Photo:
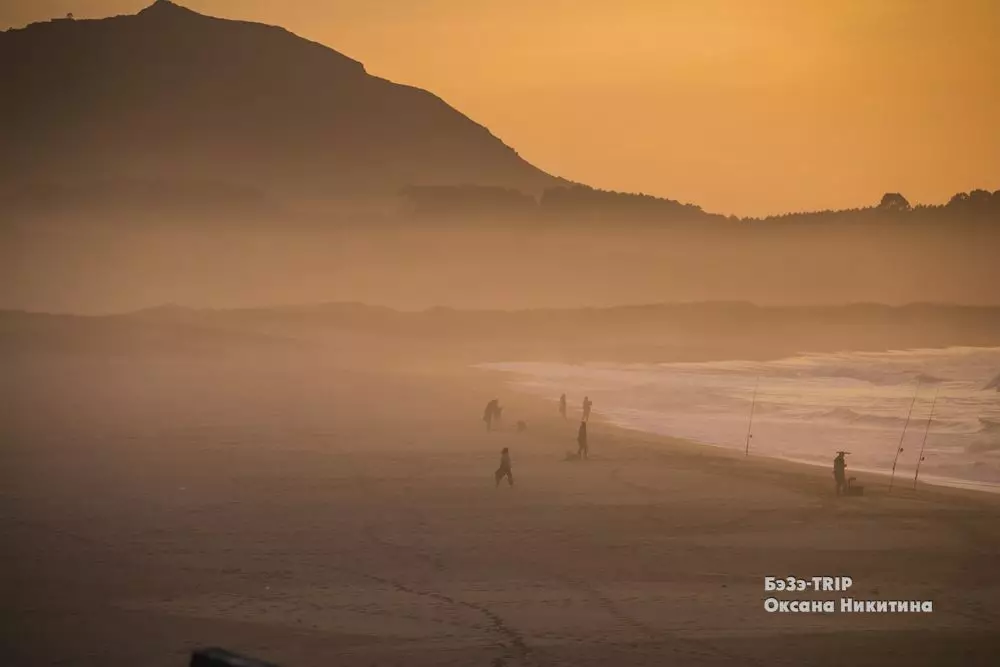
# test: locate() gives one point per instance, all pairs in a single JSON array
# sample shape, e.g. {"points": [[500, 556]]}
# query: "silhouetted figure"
{"points": [[504, 470], [562, 406], [522, 426], [490, 413], [840, 473], [581, 441], [586, 408]]}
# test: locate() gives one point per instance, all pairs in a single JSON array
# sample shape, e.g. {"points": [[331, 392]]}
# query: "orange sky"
{"points": [[741, 106]]}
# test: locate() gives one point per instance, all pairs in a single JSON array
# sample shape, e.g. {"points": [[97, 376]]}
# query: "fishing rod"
{"points": [[753, 404], [899, 448], [924, 443]]}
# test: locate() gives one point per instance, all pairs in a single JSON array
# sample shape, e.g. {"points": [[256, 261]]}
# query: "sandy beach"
{"points": [[264, 264], [313, 515]]}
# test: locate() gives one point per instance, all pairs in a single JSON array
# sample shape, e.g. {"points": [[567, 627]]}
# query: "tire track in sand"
{"points": [[515, 647]]}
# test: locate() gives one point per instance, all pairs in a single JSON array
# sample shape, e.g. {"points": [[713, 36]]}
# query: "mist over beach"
{"points": [[284, 330]]}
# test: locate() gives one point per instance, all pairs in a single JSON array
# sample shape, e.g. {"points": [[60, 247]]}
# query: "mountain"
{"points": [[171, 96]]}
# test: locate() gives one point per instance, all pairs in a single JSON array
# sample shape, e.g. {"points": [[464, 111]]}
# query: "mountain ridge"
{"points": [[159, 138], [168, 92]]}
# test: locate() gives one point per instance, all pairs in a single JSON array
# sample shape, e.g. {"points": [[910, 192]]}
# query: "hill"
{"points": [[170, 96]]}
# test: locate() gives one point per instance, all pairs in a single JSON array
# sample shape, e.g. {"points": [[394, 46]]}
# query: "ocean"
{"points": [[807, 407]]}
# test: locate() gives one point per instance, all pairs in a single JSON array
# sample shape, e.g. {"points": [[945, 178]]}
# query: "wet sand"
{"points": [[318, 516]]}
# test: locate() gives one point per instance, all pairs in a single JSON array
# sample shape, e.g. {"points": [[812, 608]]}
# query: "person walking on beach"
{"points": [[491, 412], [562, 406], [504, 470], [840, 473], [586, 408], [581, 441]]}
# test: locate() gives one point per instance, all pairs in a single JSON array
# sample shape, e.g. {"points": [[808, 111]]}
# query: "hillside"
{"points": [[174, 97]]}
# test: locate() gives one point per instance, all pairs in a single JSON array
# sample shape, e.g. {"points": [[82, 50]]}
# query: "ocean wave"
{"points": [[859, 418], [855, 417], [929, 367], [805, 406], [877, 376], [983, 447], [993, 384]]}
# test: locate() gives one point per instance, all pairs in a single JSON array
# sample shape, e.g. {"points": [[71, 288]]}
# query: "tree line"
{"points": [[583, 203]]}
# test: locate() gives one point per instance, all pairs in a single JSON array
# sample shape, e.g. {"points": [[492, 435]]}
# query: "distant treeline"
{"points": [[574, 202], [581, 203], [459, 204], [974, 205]]}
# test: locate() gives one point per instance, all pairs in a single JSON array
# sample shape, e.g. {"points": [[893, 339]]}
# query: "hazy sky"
{"points": [[741, 106]]}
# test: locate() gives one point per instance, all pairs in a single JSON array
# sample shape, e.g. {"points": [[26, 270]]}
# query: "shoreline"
{"points": [[876, 482]]}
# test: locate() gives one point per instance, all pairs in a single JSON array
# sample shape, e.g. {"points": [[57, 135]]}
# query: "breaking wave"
{"points": [[854, 417], [806, 407]]}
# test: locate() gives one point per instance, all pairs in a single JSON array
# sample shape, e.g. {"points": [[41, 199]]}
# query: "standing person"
{"points": [[562, 406], [586, 408], [504, 470], [840, 473], [490, 412], [581, 441]]}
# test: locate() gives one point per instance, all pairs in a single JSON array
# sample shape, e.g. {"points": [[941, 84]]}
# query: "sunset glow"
{"points": [[741, 107]]}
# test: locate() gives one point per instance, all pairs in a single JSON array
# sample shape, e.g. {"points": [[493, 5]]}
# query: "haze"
{"points": [[272, 322], [746, 108]]}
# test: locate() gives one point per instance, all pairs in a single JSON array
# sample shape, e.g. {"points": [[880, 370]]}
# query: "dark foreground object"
{"points": [[217, 657]]}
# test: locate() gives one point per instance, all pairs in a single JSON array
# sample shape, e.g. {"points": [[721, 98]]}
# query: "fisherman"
{"points": [[840, 473], [492, 408], [581, 441], [562, 406], [586, 408], [504, 470]]}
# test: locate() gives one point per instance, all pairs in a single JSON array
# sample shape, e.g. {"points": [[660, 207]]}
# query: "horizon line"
{"points": [[317, 305]]}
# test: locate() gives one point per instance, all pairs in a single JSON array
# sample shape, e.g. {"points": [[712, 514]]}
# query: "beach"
{"points": [[934, 403], [312, 514], [266, 268]]}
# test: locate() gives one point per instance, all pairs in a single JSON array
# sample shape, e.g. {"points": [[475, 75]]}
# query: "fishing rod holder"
{"points": [[853, 489]]}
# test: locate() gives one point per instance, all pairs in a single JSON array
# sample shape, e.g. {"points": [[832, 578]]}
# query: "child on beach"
{"points": [[504, 470]]}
